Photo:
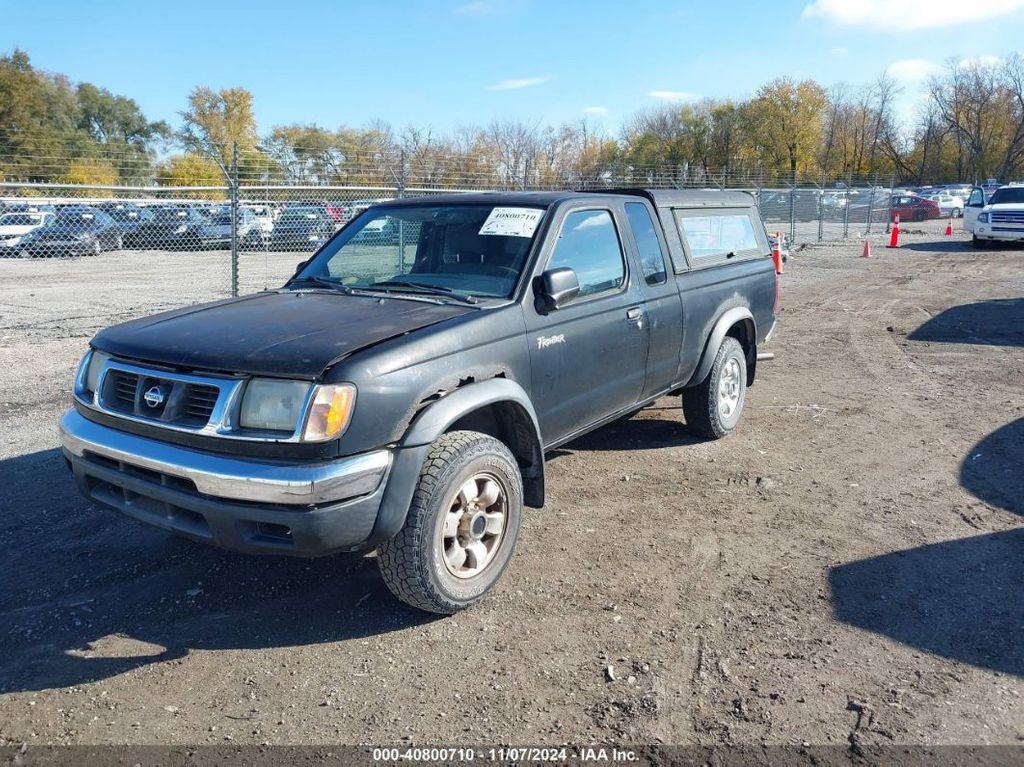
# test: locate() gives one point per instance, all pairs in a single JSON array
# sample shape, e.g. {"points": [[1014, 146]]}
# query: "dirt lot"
{"points": [[844, 569]]}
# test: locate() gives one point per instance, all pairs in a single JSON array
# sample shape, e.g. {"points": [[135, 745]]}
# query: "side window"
{"points": [[708, 237], [652, 260], [589, 245], [976, 199]]}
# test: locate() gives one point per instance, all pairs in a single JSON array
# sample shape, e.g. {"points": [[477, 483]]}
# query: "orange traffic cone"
{"points": [[894, 239], [867, 249], [777, 253], [949, 227]]}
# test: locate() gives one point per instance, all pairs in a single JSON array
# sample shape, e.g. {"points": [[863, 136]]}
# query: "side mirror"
{"points": [[301, 265], [558, 287]]}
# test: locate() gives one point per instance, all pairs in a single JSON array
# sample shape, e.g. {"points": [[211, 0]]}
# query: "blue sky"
{"points": [[444, 63]]}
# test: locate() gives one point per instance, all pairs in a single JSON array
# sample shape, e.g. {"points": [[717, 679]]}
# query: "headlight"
{"points": [[273, 405], [87, 380], [983, 218], [330, 412]]}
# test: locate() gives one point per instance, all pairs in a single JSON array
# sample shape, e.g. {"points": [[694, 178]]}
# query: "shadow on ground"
{"points": [[993, 470], [637, 433], [997, 322], [87, 594], [956, 245], [950, 245], [962, 599]]}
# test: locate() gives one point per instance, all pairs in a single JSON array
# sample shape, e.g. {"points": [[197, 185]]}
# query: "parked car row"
{"points": [[63, 230]]}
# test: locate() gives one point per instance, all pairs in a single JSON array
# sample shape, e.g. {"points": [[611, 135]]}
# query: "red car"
{"points": [[912, 207]]}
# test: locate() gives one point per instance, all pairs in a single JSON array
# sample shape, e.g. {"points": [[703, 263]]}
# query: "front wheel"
{"points": [[713, 407], [461, 528]]}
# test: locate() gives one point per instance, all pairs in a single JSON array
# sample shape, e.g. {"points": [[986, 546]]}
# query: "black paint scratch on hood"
{"points": [[287, 334]]}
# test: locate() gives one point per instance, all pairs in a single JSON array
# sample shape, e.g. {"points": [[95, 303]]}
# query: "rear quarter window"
{"points": [[712, 237]]}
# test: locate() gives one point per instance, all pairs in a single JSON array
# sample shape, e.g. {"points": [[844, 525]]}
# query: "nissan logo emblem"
{"points": [[154, 397]]}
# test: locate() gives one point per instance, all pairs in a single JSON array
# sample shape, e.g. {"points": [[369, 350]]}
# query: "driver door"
{"points": [[588, 357], [973, 207]]}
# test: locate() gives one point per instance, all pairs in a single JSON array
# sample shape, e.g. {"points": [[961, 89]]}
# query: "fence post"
{"points": [[401, 173], [821, 214], [846, 213], [233, 191], [888, 208], [792, 211], [871, 206], [401, 224]]}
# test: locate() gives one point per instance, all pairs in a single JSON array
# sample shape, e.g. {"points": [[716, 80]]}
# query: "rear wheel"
{"points": [[462, 525], [713, 407]]}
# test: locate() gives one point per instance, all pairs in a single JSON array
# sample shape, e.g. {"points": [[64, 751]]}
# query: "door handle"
{"points": [[634, 313]]}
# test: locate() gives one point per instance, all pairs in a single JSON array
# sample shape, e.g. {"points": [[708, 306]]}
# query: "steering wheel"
{"points": [[512, 272]]}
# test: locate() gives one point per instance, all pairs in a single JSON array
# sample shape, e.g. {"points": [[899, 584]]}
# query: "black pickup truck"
{"points": [[401, 390]]}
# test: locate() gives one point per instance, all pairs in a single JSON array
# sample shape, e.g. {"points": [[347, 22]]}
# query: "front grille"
{"points": [[125, 387], [200, 401], [162, 400], [1007, 217]]}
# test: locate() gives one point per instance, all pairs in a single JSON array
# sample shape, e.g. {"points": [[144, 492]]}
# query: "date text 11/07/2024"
{"points": [[504, 754]]}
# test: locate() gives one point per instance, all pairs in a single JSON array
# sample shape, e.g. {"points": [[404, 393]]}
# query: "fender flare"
{"points": [[431, 423], [722, 325], [434, 420]]}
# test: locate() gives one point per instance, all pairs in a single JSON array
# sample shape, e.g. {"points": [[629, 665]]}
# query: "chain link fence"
{"points": [[96, 253]]}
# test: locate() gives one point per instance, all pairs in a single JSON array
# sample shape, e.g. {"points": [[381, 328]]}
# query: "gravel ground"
{"points": [[845, 569]]}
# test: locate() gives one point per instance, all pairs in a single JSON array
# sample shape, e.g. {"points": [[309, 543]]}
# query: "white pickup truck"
{"points": [[995, 217]]}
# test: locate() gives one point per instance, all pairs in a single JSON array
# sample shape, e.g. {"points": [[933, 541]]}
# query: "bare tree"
{"points": [[515, 144]]}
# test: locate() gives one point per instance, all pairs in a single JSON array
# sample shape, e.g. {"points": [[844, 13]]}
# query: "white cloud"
{"points": [[598, 218], [676, 96], [839, 51], [595, 111], [911, 70], [515, 84], [477, 8], [985, 60], [897, 16]]}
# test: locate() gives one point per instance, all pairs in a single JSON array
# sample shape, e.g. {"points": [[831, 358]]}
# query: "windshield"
{"points": [[19, 219], [301, 214], [67, 219], [171, 214], [124, 214], [1007, 194], [471, 250]]}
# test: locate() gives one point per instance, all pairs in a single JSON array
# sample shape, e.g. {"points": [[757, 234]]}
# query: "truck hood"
{"points": [[1010, 207], [281, 333]]}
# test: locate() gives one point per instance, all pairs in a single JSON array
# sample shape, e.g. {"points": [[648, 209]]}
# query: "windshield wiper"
{"points": [[437, 290], [328, 284]]}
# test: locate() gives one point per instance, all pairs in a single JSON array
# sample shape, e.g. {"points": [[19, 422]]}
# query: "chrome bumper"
{"points": [[226, 477]]}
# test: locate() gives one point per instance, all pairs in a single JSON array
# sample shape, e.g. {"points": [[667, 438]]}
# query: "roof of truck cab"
{"points": [[659, 197]]}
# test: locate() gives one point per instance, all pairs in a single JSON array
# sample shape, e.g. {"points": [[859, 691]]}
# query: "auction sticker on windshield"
{"points": [[512, 222]]}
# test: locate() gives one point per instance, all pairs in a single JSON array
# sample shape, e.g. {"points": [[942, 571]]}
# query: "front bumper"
{"points": [[999, 231], [240, 504], [57, 249]]}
